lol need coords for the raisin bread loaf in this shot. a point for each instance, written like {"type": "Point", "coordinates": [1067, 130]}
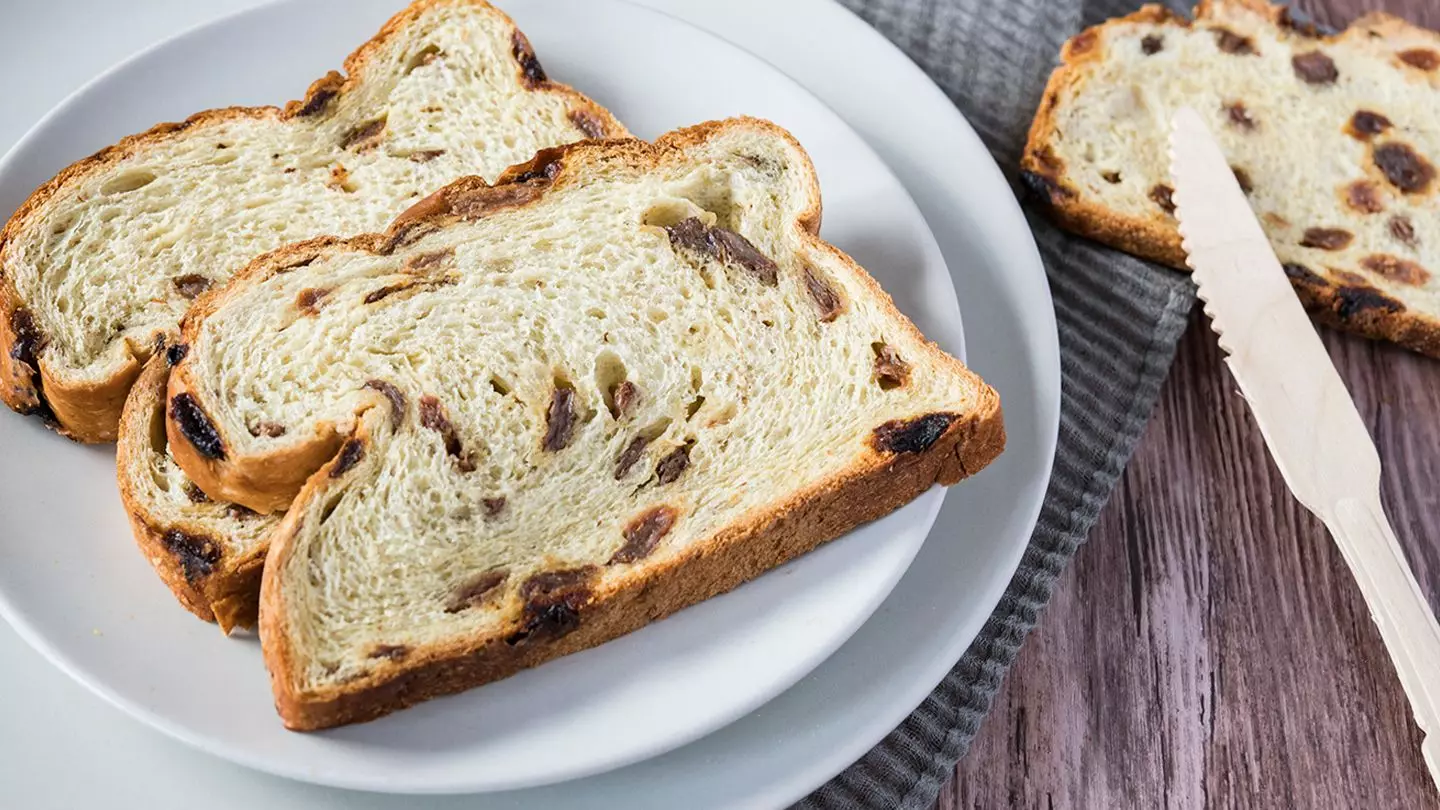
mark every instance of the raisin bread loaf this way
{"type": "Point", "coordinates": [108, 254]}
{"type": "Point", "coordinates": [209, 553]}
{"type": "Point", "coordinates": [1334, 139]}
{"type": "Point", "coordinates": [533, 417]}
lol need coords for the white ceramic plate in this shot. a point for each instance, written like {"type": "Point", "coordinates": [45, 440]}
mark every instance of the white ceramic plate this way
{"type": "Point", "coordinates": [73, 585]}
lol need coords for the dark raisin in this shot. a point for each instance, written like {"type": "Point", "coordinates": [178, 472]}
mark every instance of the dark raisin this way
{"type": "Point", "coordinates": [529, 65]}
{"type": "Point", "coordinates": [1422, 58]}
{"type": "Point", "coordinates": [587, 123]}
{"type": "Point", "coordinates": [626, 397]}
{"type": "Point", "coordinates": [480, 203]}
{"type": "Point", "coordinates": [890, 370]}
{"type": "Point", "coordinates": [725, 245]}
{"type": "Point", "coordinates": [388, 290]}
{"type": "Point", "coordinates": [738, 250]}
{"type": "Point", "coordinates": [1231, 42]}
{"type": "Point", "coordinates": [273, 430]}
{"type": "Point", "coordinates": [311, 299]}
{"type": "Point", "coordinates": [494, 506]}
{"type": "Point", "coordinates": [1396, 269]}
{"type": "Point", "coordinates": [473, 592]}
{"type": "Point", "coordinates": [1364, 124]}
{"type": "Point", "coordinates": [1403, 230]}
{"type": "Point", "coordinates": [560, 420]}
{"type": "Point", "coordinates": [631, 454]}
{"type": "Point", "coordinates": [553, 601]}
{"type": "Point", "coordinates": [397, 399]}
{"type": "Point", "coordinates": [1240, 116]}
{"type": "Point", "coordinates": [1404, 168]}
{"type": "Point", "coordinates": [1364, 197]}
{"type": "Point", "coordinates": [1243, 178]}
{"type": "Point", "coordinates": [317, 101]}
{"type": "Point", "coordinates": [194, 493]}
{"type": "Point", "coordinates": [911, 435]}
{"type": "Point", "coordinates": [426, 261]}
{"type": "Point", "coordinates": [190, 285]}
{"type": "Point", "coordinates": [673, 464]}
{"type": "Point", "coordinates": [1163, 196]}
{"type": "Point", "coordinates": [195, 426]}
{"type": "Point", "coordinates": [426, 155]}
{"type": "Point", "coordinates": [1327, 238]}
{"type": "Point", "coordinates": [239, 512]}
{"type": "Point", "coordinates": [175, 354]}
{"type": "Point", "coordinates": [643, 533]}
{"type": "Point", "coordinates": [1301, 274]}
{"type": "Point", "coordinates": [29, 340]}
{"type": "Point", "coordinates": [350, 454]}
{"type": "Point", "coordinates": [1044, 188]}
{"type": "Point", "coordinates": [432, 416]}
{"type": "Point", "coordinates": [691, 234]}
{"type": "Point", "coordinates": [365, 136]}
{"type": "Point", "coordinates": [1315, 67]}
{"type": "Point", "coordinates": [1355, 300]}
{"type": "Point", "coordinates": [196, 554]}
{"type": "Point", "coordinates": [1152, 44]}
{"type": "Point", "coordinates": [825, 298]}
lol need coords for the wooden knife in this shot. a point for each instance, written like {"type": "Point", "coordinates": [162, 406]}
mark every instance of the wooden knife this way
{"type": "Point", "coordinates": [1307, 417]}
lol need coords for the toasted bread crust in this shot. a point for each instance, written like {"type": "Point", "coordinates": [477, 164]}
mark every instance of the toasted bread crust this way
{"type": "Point", "coordinates": [1360, 309]}
{"type": "Point", "coordinates": [872, 489]}
{"type": "Point", "coordinates": [90, 410]}
{"type": "Point", "coordinates": [229, 594]}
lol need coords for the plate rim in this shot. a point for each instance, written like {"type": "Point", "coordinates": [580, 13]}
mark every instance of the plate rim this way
{"type": "Point", "coordinates": [206, 743]}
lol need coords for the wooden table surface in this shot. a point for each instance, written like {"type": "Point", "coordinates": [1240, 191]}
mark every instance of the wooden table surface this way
{"type": "Point", "coordinates": [1208, 647]}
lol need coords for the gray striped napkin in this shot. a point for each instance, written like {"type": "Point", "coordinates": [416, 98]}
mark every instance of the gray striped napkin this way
{"type": "Point", "coordinates": [1119, 322]}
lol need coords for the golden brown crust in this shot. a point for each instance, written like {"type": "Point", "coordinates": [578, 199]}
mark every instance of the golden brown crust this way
{"type": "Point", "coordinates": [1338, 302]}
{"type": "Point", "coordinates": [89, 411]}
{"type": "Point", "coordinates": [747, 549]}
{"type": "Point", "coordinates": [229, 593]}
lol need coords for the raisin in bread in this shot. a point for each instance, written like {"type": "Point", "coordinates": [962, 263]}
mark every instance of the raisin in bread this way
{"type": "Point", "coordinates": [108, 254]}
{"type": "Point", "coordinates": [1333, 138]}
{"type": "Point", "coordinates": [542, 414]}
{"type": "Point", "coordinates": [210, 553]}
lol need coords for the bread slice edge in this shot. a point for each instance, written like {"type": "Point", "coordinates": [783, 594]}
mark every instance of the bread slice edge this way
{"type": "Point", "coordinates": [759, 542]}
{"type": "Point", "coordinates": [1360, 309]}
{"type": "Point", "coordinates": [89, 410]}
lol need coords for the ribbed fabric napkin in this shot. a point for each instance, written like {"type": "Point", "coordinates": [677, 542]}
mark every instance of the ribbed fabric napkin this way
{"type": "Point", "coordinates": [1119, 319]}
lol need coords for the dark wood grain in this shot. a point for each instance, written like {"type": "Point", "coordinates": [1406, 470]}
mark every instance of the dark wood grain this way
{"type": "Point", "coordinates": [1208, 647]}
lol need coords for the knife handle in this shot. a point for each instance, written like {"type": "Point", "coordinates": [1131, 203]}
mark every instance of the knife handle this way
{"type": "Point", "coordinates": [1407, 625]}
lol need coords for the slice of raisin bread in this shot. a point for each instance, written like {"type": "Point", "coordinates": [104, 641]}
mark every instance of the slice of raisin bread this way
{"type": "Point", "coordinates": [108, 255]}
{"type": "Point", "coordinates": [209, 553]}
{"type": "Point", "coordinates": [533, 417]}
{"type": "Point", "coordinates": [1334, 138]}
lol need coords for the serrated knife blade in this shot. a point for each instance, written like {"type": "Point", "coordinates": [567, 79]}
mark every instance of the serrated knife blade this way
{"type": "Point", "coordinates": [1308, 419]}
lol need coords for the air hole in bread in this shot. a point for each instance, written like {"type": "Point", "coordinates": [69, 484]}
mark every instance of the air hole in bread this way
{"type": "Point", "coordinates": [694, 407]}
{"type": "Point", "coordinates": [610, 374]}
{"type": "Point", "coordinates": [424, 56]}
{"type": "Point", "coordinates": [499, 385]}
{"type": "Point", "coordinates": [329, 508]}
{"type": "Point", "coordinates": [1111, 177]}
{"type": "Point", "coordinates": [670, 211]}
{"type": "Point", "coordinates": [127, 182]}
